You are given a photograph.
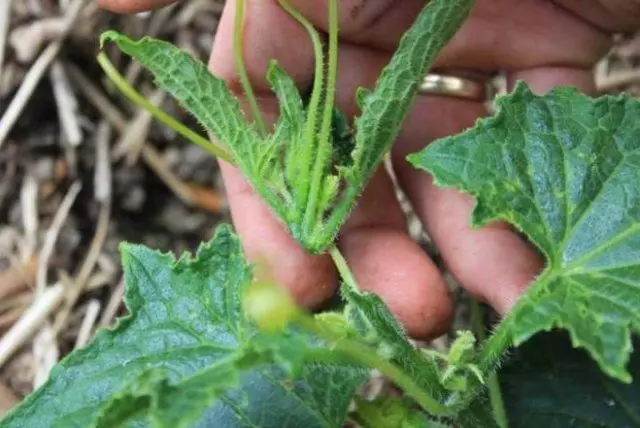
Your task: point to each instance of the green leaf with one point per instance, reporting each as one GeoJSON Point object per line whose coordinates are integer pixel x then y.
{"type": "Point", "coordinates": [152, 397]}
{"type": "Point", "coordinates": [478, 414]}
{"type": "Point", "coordinates": [185, 317]}
{"type": "Point", "coordinates": [371, 318]}
{"type": "Point", "coordinates": [378, 327]}
{"type": "Point", "coordinates": [385, 108]}
{"type": "Point", "coordinates": [343, 142]}
{"type": "Point", "coordinates": [564, 169]}
{"type": "Point", "coordinates": [292, 115]}
{"type": "Point", "coordinates": [192, 84]}
{"type": "Point", "coordinates": [548, 383]}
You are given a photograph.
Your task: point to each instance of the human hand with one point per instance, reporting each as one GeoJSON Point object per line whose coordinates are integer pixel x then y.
{"type": "Point", "coordinates": [544, 42]}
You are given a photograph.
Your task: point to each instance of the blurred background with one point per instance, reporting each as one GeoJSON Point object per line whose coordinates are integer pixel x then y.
{"type": "Point", "coordinates": [82, 169]}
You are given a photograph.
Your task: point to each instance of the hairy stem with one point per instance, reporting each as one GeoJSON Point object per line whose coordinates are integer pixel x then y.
{"type": "Point", "coordinates": [312, 216]}
{"type": "Point", "coordinates": [309, 142]}
{"type": "Point", "coordinates": [495, 395]}
{"type": "Point", "coordinates": [369, 357]}
{"type": "Point", "coordinates": [343, 268]}
{"type": "Point", "coordinates": [126, 89]}
{"type": "Point", "coordinates": [238, 44]}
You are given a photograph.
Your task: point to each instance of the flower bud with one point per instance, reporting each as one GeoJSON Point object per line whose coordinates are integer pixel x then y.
{"type": "Point", "coordinates": [269, 306]}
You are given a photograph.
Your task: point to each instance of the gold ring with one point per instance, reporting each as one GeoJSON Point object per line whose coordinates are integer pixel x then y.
{"type": "Point", "coordinates": [453, 86]}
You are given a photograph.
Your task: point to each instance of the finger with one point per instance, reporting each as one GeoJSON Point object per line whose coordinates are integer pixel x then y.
{"type": "Point", "coordinates": [492, 263]}
{"type": "Point", "coordinates": [609, 15]}
{"type": "Point", "coordinates": [543, 79]}
{"type": "Point", "coordinates": [388, 263]}
{"type": "Point", "coordinates": [379, 24]}
{"type": "Point", "coordinates": [133, 6]}
{"type": "Point", "coordinates": [268, 34]}
{"type": "Point", "coordinates": [311, 279]}
{"type": "Point", "coordinates": [480, 44]}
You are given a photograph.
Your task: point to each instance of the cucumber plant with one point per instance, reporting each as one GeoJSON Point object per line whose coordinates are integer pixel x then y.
{"type": "Point", "coordinates": [207, 343]}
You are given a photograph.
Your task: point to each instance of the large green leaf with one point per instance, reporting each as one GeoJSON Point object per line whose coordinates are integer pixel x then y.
{"type": "Point", "coordinates": [152, 397]}
{"type": "Point", "coordinates": [564, 169]}
{"type": "Point", "coordinates": [548, 383]}
{"type": "Point", "coordinates": [186, 320]}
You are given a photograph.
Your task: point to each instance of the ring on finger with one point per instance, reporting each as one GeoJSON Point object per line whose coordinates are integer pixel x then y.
{"type": "Point", "coordinates": [454, 86]}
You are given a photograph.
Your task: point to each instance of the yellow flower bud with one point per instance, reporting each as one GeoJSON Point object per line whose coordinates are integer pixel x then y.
{"type": "Point", "coordinates": [269, 306]}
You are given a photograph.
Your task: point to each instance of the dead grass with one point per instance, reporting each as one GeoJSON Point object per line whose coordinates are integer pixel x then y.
{"type": "Point", "coordinates": [81, 170]}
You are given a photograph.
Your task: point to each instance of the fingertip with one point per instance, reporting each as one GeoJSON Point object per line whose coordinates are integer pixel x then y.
{"type": "Point", "coordinates": [492, 262]}
{"type": "Point", "coordinates": [132, 6]}
{"type": "Point", "coordinates": [267, 31]}
{"type": "Point", "coordinates": [389, 264]}
{"type": "Point", "coordinates": [311, 279]}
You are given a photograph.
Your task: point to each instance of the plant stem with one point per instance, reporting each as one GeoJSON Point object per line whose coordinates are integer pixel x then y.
{"type": "Point", "coordinates": [124, 87]}
{"type": "Point", "coordinates": [309, 141]}
{"type": "Point", "coordinates": [340, 212]}
{"type": "Point", "coordinates": [495, 395]}
{"type": "Point", "coordinates": [312, 216]}
{"type": "Point", "coordinates": [238, 43]}
{"type": "Point", "coordinates": [343, 268]}
{"type": "Point", "coordinates": [370, 358]}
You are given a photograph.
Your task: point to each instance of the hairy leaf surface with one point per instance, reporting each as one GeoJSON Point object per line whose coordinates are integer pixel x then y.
{"type": "Point", "coordinates": [152, 397]}
{"type": "Point", "coordinates": [385, 108]}
{"type": "Point", "coordinates": [564, 169]}
{"type": "Point", "coordinates": [378, 326]}
{"type": "Point", "coordinates": [185, 317]}
{"type": "Point", "coordinates": [373, 320]}
{"type": "Point", "coordinates": [206, 96]}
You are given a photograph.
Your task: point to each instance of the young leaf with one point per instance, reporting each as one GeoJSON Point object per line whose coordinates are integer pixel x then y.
{"type": "Point", "coordinates": [385, 108]}
{"type": "Point", "coordinates": [192, 84]}
{"type": "Point", "coordinates": [372, 319]}
{"type": "Point", "coordinates": [548, 383]}
{"type": "Point", "coordinates": [389, 412]}
{"type": "Point", "coordinates": [185, 317]}
{"type": "Point", "coordinates": [564, 169]}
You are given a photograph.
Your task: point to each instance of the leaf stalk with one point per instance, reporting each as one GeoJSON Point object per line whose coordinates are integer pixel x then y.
{"type": "Point", "coordinates": [370, 358]}
{"type": "Point", "coordinates": [312, 216]}
{"type": "Point", "coordinates": [238, 44]}
{"type": "Point", "coordinates": [495, 395]}
{"type": "Point", "coordinates": [310, 139]}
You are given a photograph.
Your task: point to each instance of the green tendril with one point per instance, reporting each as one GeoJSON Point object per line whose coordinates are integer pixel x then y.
{"type": "Point", "coordinates": [312, 216]}
{"type": "Point", "coordinates": [238, 43]}
{"type": "Point", "coordinates": [308, 147]}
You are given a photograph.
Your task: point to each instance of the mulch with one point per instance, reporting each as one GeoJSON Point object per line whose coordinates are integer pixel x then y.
{"type": "Point", "coordinates": [82, 169]}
